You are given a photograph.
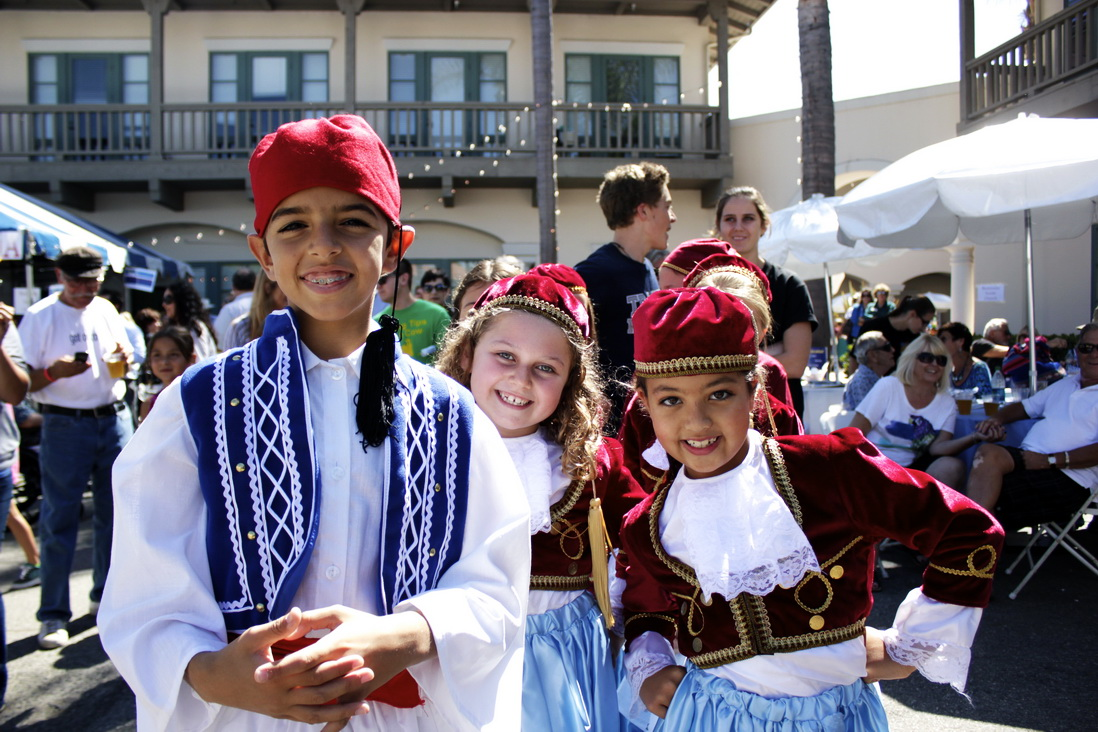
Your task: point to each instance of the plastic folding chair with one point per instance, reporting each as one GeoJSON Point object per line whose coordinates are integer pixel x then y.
{"type": "Point", "coordinates": [1059, 534]}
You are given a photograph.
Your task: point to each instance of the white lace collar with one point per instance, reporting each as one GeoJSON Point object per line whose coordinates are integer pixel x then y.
{"type": "Point", "coordinates": [735, 531]}
{"type": "Point", "coordinates": [538, 460]}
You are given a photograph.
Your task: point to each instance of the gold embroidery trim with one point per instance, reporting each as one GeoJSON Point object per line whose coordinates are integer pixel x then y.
{"type": "Point", "coordinates": [730, 269]}
{"type": "Point", "coordinates": [539, 307]}
{"type": "Point", "coordinates": [781, 478]}
{"type": "Point", "coordinates": [732, 654]}
{"type": "Point", "coordinates": [567, 502]}
{"type": "Point", "coordinates": [694, 365]}
{"type": "Point", "coordinates": [694, 605]}
{"type": "Point", "coordinates": [823, 578]}
{"type": "Point", "coordinates": [552, 582]}
{"type": "Point", "coordinates": [569, 530]}
{"type": "Point", "coordinates": [985, 572]}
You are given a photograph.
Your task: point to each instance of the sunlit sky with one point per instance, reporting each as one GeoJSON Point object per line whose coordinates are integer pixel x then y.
{"type": "Point", "coordinates": [878, 46]}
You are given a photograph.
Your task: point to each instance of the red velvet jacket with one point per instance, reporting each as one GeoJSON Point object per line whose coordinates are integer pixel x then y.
{"type": "Point", "coordinates": [847, 497]}
{"type": "Point", "coordinates": [562, 555]}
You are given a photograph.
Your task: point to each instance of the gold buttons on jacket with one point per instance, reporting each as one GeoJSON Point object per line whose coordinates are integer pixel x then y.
{"type": "Point", "coordinates": [438, 487]}
{"type": "Point", "coordinates": [431, 552]}
{"type": "Point", "coordinates": [816, 622]}
{"type": "Point", "coordinates": [697, 645]}
{"type": "Point", "coordinates": [261, 607]}
{"type": "Point", "coordinates": [573, 569]}
{"type": "Point", "coordinates": [836, 572]}
{"type": "Point", "coordinates": [240, 467]}
{"type": "Point", "coordinates": [441, 416]}
{"type": "Point", "coordinates": [251, 535]}
{"type": "Point", "coordinates": [234, 402]}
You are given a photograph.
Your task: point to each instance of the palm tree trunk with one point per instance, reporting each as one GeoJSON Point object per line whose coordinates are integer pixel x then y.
{"type": "Point", "coordinates": [817, 105]}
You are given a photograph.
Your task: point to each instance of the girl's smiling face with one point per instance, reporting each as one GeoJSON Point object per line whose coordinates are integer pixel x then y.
{"type": "Point", "coordinates": [166, 361]}
{"type": "Point", "coordinates": [701, 420]}
{"type": "Point", "coordinates": [741, 225]}
{"type": "Point", "coordinates": [518, 371]}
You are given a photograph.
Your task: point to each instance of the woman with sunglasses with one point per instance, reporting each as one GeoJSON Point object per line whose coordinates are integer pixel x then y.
{"type": "Point", "coordinates": [183, 307]}
{"type": "Point", "coordinates": [966, 372]}
{"type": "Point", "coordinates": [910, 415]}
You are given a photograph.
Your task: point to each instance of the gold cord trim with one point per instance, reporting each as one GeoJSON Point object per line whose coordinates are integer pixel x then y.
{"type": "Point", "coordinates": [729, 268]}
{"type": "Point", "coordinates": [823, 578]}
{"type": "Point", "coordinates": [552, 582]}
{"type": "Point", "coordinates": [695, 365]}
{"type": "Point", "coordinates": [985, 572]}
{"type": "Point", "coordinates": [539, 307]}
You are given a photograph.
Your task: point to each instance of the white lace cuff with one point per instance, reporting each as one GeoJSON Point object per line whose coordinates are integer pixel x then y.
{"type": "Point", "coordinates": [647, 654]}
{"type": "Point", "coordinates": [935, 637]}
{"type": "Point", "coordinates": [942, 663]}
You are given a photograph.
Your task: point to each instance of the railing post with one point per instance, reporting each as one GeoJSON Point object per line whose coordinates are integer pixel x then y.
{"type": "Point", "coordinates": [350, 10]}
{"type": "Point", "coordinates": [156, 9]}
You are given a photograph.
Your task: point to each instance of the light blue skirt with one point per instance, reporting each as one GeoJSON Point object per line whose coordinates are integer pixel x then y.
{"type": "Point", "coordinates": [709, 703]}
{"type": "Point", "coordinates": [568, 680]}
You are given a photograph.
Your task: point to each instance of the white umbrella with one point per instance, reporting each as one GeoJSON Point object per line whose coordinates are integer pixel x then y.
{"type": "Point", "coordinates": [809, 232]}
{"type": "Point", "coordinates": [1004, 183]}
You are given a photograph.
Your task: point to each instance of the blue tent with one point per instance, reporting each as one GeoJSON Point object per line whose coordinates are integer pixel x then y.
{"type": "Point", "coordinates": [48, 230]}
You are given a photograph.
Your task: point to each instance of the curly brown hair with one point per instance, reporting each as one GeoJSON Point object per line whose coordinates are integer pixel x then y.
{"type": "Point", "coordinates": [576, 423]}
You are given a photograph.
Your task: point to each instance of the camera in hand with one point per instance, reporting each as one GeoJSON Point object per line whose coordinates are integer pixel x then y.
{"type": "Point", "coordinates": [81, 356]}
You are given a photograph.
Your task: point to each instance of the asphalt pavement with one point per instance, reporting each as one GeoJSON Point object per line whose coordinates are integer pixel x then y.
{"type": "Point", "coordinates": [1033, 666]}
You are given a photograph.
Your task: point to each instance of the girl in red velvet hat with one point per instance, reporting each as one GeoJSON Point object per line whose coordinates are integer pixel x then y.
{"type": "Point", "coordinates": [774, 414]}
{"type": "Point", "coordinates": [526, 354]}
{"type": "Point", "coordinates": [754, 556]}
{"type": "Point", "coordinates": [302, 536]}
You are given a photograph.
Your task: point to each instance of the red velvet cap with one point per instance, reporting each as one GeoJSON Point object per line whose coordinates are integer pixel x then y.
{"type": "Point", "coordinates": [543, 296]}
{"type": "Point", "coordinates": [693, 330]}
{"type": "Point", "coordinates": [686, 256]}
{"type": "Point", "coordinates": [562, 274]}
{"type": "Point", "coordinates": [729, 263]}
{"type": "Point", "coordinates": [342, 152]}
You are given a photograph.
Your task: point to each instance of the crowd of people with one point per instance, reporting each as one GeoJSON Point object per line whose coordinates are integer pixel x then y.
{"type": "Point", "coordinates": [555, 499]}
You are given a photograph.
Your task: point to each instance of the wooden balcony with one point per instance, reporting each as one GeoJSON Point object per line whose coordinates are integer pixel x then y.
{"type": "Point", "coordinates": [204, 146]}
{"type": "Point", "coordinates": [1052, 53]}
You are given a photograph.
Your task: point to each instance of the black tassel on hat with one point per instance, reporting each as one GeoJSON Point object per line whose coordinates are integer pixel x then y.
{"type": "Point", "coordinates": [374, 410]}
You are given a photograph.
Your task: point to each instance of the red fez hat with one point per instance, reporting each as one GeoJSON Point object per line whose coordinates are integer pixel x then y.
{"type": "Point", "coordinates": [729, 263]}
{"type": "Point", "coordinates": [689, 331]}
{"type": "Point", "coordinates": [540, 295]}
{"type": "Point", "coordinates": [686, 256]}
{"type": "Point", "coordinates": [561, 274]}
{"type": "Point", "coordinates": [342, 152]}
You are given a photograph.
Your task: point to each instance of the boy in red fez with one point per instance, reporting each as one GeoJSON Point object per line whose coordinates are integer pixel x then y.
{"type": "Point", "coordinates": [755, 556]}
{"type": "Point", "coordinates": [297, 547]}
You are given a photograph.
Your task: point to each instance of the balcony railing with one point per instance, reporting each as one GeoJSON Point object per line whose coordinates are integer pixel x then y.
{"type": "Point", "coordinates": [203, 131]}
{"type": "Point", "coordinates": [1055, 50]}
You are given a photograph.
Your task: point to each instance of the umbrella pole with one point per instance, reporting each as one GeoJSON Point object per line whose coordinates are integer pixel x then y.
{"type": "Point", "coordinates": [831, 324]}
{"type": "Point", "coordinates": [1029, 304]}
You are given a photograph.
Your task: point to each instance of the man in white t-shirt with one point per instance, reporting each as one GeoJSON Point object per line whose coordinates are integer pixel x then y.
{"type": "Point", "coordinates": [1050, 476]}
{"type": "Point", "coordinates": [77, 349]}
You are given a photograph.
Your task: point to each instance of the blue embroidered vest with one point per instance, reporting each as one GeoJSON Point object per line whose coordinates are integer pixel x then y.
{"type": "Point", "coordinates": [248, 412]}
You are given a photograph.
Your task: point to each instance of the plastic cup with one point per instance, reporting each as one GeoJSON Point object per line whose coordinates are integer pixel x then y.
{"type": "Point", "coordinates": [116, 365]}
{"type": "Point", "coordinates": [964, 405]}
{"type": "Point", "coordinates": [991, 407]}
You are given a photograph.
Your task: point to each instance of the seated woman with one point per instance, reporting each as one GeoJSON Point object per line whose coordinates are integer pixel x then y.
{"type": "Point", "coordinates": [910, 415]}
{"type": "Point", "coordinates": [966, 372]}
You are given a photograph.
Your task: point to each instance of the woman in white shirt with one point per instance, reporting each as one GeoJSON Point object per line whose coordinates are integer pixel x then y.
{"type": "Point", "coordinates": [910, 415]}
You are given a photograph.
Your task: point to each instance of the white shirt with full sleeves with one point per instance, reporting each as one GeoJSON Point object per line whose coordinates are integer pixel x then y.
{"type": "Point", "coordinates": [159, 610]}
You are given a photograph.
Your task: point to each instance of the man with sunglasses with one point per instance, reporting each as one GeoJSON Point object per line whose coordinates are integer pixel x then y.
{"type": "Point", "coordinates": [434, 286]}
{"type": "Point", "coordinates": [1053, 472]}
{"type": "Point", "coordinates": [903, 325]}
{"type": "Point", "coordinates": [67, 340]}
{"type": "Point", "coordinates": [422, 323]}
{"type": "Point", "coordinates": [875, 357]}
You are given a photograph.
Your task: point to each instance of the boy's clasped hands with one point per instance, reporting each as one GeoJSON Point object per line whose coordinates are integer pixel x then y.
{"type": "Point", "coordinates": [325, 682]}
